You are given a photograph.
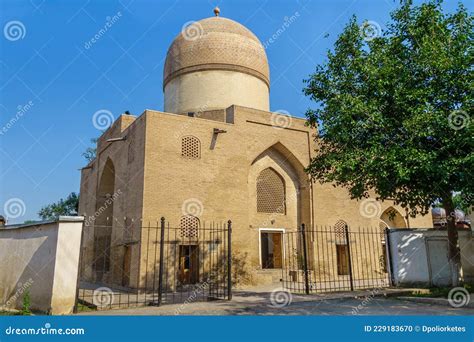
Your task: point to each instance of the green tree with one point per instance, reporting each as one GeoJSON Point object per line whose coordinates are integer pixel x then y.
{"type": "Point", "coordinates": [459, 202]}
{"type": "Point", "coordinates": [67, 207]}
{"type": "Point", "coordinates": [394, 111]}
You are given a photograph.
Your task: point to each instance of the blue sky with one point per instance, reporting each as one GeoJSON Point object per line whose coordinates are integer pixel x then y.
{"type": "Point", "coordinates": [51, 84]}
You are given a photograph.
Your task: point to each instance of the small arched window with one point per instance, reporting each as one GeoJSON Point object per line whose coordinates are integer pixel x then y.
{"type": "Point", "coordinates": [189, 225]}
{"type": "Point", "coordinates": [342, 248]}
{"type": "Point", "coordinates": [190, 147]}
{"type": "Point", "coordinates": [270, 192]}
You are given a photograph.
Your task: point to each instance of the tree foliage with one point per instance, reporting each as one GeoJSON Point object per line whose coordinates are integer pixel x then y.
{"type": "Point", "coordinates": [64, 207]}
{"type": "Point", "coordinates": [459, 203]}
{"type": "Point", "coordinates": [394, 111]}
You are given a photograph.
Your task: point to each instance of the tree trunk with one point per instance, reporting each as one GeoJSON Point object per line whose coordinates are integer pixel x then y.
{"type": "Point", "coordinates": [453, 250]}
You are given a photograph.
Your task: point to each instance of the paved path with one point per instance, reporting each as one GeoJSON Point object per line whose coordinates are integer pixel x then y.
{"type": "Point", "coordinates": [266, 303]}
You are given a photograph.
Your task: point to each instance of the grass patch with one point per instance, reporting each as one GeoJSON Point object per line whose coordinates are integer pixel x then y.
{"type": "Point", "coordinates": [84, 308]}
{"type": "Point", "coordinates": [437, 292]}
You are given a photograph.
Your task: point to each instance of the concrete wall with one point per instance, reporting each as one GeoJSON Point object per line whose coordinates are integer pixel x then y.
{"type": "Point", "coordinates": [419, 257]}
{"type": "Point", "coordinates": [42, 259]}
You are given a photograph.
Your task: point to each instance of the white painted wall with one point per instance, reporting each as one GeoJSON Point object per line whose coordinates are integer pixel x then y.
{"type": "Point", "coordinates": [42, 259]}
{"type": "Point", "coordinates": [410, 250]}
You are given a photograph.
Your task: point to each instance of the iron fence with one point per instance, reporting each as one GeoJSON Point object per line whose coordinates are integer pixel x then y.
{"type": "Point", "coordinates": [153, 264]}
{"type": "Point", "coordinates": [328, 259]}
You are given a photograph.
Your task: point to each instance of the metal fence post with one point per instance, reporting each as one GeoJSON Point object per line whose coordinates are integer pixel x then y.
{"type": "Point", "coordinates": [349, 257]}
{"type": "Point", "coordinates": [388, 251]}
{"type": "Point", "coordinates": [162, 245]}
{"type": "Point", "coordinates": [229, 260]}
{"type": "Point", "coordinates": [305, 259]}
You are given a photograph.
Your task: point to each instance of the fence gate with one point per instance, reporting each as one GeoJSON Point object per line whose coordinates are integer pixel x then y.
{"type": "Point", "coordinates": [339, 258]}
{"type": "Point", "coordinates": [125, 264]}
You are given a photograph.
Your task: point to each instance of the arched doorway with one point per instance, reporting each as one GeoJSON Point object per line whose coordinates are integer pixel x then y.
{"type": "Point", "coordinates": [390, 218]}
{"type": "Point", "coordinates": [279, 202]}
{"type": "Point", "coordinates": [103, 222]}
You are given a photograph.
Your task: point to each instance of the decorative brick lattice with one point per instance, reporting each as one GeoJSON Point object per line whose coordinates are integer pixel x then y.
{"type": "Point", "coordinates": [220, 44]}
{"type": "Point", "coordinates": [340, 232]}
{"type": "Point", "coordinates": [189, 227]}
{"type": "Point", "coordinates": [270, 192]}
{"type": "Point", "coordinates": [190, 147]}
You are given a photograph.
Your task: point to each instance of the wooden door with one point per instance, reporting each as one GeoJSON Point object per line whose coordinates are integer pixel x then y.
{"type": "Point", "coordinates": [277, 250]}
{"type": "Point", "coordinates": [342, 260]}
{"type": "Point", "coordinates": [188, 264]}
{"type": "Point", "coordinates": [127, 258]}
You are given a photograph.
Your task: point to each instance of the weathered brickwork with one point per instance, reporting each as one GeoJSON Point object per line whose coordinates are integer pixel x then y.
{"type": "Point", "coordinates": [220, 185]}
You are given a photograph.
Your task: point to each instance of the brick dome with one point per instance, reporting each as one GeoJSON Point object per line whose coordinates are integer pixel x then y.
{"type": "Point", "coordinates": [216, 44]}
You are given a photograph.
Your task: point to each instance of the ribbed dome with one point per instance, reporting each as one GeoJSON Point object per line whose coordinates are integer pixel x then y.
{"type": "Point", "coordinates": [216, 44]}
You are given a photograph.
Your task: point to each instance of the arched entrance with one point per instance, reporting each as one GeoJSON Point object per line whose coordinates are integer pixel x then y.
{"type": "Point", "coordinates": [392, 218]}
{"type": "Point", "coordinates": [104, 222]}
{"type": "Point", "coordinates": [279, 202]}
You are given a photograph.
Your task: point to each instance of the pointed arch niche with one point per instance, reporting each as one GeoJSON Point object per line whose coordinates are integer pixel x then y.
{"type": "Point", "coordinates": [105, 192]}
{"type": "Point", "coordinates": [103, 221]}
{"type": "Point", "coordinates": [391, 218]}
{"type": "Point", "coordinates": [297, 209]}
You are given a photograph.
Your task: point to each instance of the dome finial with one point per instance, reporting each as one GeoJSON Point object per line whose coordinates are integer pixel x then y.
{"type": "Point", "coordinates": [217, 11]}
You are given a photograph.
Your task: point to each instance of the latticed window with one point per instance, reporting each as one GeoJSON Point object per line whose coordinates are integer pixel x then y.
{"type": "Point", "coordinates": [190, 147]}
{"type": "Point", "coordinates": [340, 232]}
{"type": "Point", "coordinates": [270, 192]}
{"type": "Point", "coordinates": [189, 227]}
